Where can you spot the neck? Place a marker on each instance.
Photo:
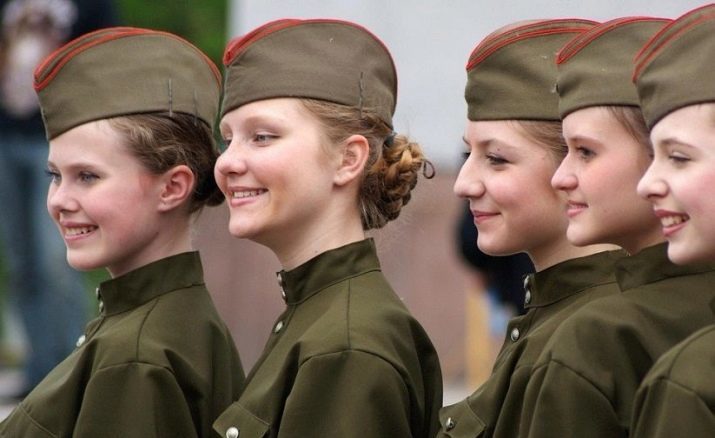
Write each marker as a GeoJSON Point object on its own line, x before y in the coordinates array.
{"type": "Point", "coordinates": [549, 255]}
{"type": "Point", "coordinates": [640, 242]}
{"type": "Point", "coordinates": [330, 232]}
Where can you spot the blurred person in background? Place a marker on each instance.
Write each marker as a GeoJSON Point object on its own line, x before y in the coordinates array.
{"type": "Point", "coordinates": [47, 294]}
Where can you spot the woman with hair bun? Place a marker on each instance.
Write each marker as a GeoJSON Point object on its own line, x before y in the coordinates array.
{"type": "Point", "coordinates": [311, 164]}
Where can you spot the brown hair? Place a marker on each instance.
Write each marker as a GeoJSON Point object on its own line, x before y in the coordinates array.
{"type": "Point", "coordinates": [546, 133]}
{"type": "Point", "coordinates": [392, 168]}
{"type": "Point", "coordinates": [161, 141]}
{"type": "Point", "coordinates": [631, 118]}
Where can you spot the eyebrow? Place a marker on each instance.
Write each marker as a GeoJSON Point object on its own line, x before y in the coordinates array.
{"type": "Point", "coordinates": [672, 141]}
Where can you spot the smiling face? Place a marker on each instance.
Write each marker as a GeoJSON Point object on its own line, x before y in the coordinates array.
{"type": "Point", "coordinates": [277, 173]}
{"type": "Point", "coordinates": [599, 175]}
{"type": "Point", "coordinates": [506, 180]}
{"type": "Point", "coordinates": [105, 203]}
{"type": "Point", "coordinates": [680, 182]}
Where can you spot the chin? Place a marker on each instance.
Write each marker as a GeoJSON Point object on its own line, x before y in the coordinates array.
{"type": "Point", "coordinates": [81, 264]}
{"type": "Point", "coordinates": [495, 248]}
{"type": "Point", "coordinates": [682, 254]}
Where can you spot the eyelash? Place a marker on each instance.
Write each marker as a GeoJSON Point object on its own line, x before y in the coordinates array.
{"type": "Point", "coordinates": [678, 159]}
{"type": "Point", "coordinates": [84, 176]}
{"type": "Point", "coordinates": [52, 175]}
{"type": "Point", "coordinates": [585, 153]}
{"type": "Point", "coordinates": [496, 160]}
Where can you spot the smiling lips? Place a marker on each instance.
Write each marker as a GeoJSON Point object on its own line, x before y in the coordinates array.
{"type": "Point", "coordinates": [240, 194]}
{"type": "Point", "coordinates": [671, 221]}
{"type": "Point", "coordinates": [481, 216]}
{"type": "Point", "coordinates": [573, 208]}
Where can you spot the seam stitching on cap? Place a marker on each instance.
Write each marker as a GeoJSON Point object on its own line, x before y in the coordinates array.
{"type": "Point", "coordinates": [123, 33]}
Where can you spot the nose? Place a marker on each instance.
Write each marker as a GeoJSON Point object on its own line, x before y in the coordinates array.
{"type": "Point", "coordinates": [651, 185]}
{"type": "Point", "coordinates": [564, 178]}
{"type": "Point", "coordinates": [230, 161]}
{"type": "Point", "coordinates": [468, 183]}
{"type": "Point", "coordinates": [60, 199]}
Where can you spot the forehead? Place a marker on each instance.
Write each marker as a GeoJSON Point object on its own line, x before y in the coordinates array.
{"type": "Point", "coordinates": [694, 124]}
{"type": "Point", "coordinates": [281, 109]}
{"type": "Point", "coordinates": [95, 141]}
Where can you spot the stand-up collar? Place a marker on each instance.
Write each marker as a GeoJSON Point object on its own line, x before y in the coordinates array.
{"type": "Point", "coordinates": [327, 269]}
{"type": "Point", "coordinates": [570, 277]}
{"type": "Point", "coordinates": [141, 285]}
{"type": "Point", "coordinates": [651, 265]}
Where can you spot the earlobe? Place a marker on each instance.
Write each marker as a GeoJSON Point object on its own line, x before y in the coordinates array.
{"type": "Point", "coordinates": [177, 186]}
{"type": "Point", "coordinates": [355, 153]}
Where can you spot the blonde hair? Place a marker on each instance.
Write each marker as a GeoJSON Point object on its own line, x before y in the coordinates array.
{"type": "Point", "coordinates": [631, 118]}
{"type": "Point", "coordinates": [161, 141]}
{"type": "Point", "coordinates": [548, 134]}
{"type": "Point", "coordinates": [393, 164]}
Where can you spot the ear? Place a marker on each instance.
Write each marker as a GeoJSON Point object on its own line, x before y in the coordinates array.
{"type": "Point", "coordinates": [177, 187]}
{"type": "Point", "coordinates": [355, 152]}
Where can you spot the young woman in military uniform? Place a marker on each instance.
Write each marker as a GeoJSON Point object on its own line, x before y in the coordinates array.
{"type": "Point", "coordinates": [515, 143]}
{"type": "Point", "coordinates": [311, 164]}
{"type": "Point", "coordinates": [585, 381]}
{"type": "Point", "coordinates": [129, 115]}
{"type": "Point", "coordinates": [677, 397]}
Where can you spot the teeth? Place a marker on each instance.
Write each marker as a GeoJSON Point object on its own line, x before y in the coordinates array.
{"type": "Point", "coordinates": [246, 193]}
{"type": "Point", "coordinates": [76, 231]}
{"type": "Point", "coordinates": [669, 221]}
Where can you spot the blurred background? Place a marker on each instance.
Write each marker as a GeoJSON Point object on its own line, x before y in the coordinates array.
{"type": "Point", "coordinates": [461, 297]}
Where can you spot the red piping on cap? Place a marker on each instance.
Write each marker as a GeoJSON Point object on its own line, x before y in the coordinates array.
{"type": "Point", "coordinates": [499, 42]}
{"type": "Point", "coordinates": [654, 48]}
{"type": "Point", "coordinates": [579, 42]}
{"type": "Point", "coordinates": [122, 32]}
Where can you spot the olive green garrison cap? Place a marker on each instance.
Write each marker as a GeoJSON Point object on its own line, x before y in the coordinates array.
{"type": "Point", "coordinates": [332, 60]}
{"type": "Point", "coordinates": [121, 71]}
{"type": "Point", "coordinates": [595, 67]}
{"type": "Point", "coordinates": [511, 74]}
{"type": "Point", "coordinates": [675, 68]}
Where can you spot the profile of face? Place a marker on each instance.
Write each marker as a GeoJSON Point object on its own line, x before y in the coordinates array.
{"type": "Point", "coordinates": [105, 203]}
{"type": "Point", "coordinates": [680, 181]}
{"type": "Point", "coordinates": [506, 179]}
{"type": "Point", "coordinates": [599, 175]}
{"type": "Point", "coordinates": [277, 172]}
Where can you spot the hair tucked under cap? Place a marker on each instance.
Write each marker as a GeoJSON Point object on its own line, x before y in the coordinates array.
{"type": "Point", "coordinates": [511, 75]}
{"type": "Point", "coordinates": [331, 60]}
{"type": "Point", "coordinates": [675, 68]}
{"type": "Point", "coordinates": [595, 67]}
{"type": "Point", "coordinates": [121, 71]}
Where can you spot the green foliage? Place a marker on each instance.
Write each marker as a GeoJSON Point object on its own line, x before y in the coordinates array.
{"type": "Point", "coordinates": [201, 22]}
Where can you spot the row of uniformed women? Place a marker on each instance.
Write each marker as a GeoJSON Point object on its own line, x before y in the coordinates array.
{"type": "Point", "coordinates": [312, 162]}
{"type": "Point", "coordinates": [577, 364]}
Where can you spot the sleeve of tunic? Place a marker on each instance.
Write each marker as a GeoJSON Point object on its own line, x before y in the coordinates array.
{"type": "Point", "coordinates": [347, 394]}
{"type": "Point", "coordinates": [134, 400]}
{"type": "Point", "coordinates": [561, 402]}
{"type": "Point", "coordinates": [667, 409]}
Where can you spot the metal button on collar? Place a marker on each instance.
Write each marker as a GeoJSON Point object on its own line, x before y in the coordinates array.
{"type": "Point", "coordinates": [527, 297]}
{"type": "Point", "coordinates": [514, 335]}
{"type": "Point", "coordinates": [449, 424]}
{"type": "Point", "coordinates": [81, 340]}
{"type": "Point", "coordinates": [278, 327]}
{"type": "Point", "coordinates": [232, 432]}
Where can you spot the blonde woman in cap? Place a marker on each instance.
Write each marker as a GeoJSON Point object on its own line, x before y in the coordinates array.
{"type": "Point", "coordinates": [514, 138]}
{"type": "Point", "coordinates": [128, 113]}
{"type": "Point", "coordinates": [311, 164]}
{"type": "Point", "coordinates": [674, 79]}
{"type": "Point", "coordinates": [585, 381]}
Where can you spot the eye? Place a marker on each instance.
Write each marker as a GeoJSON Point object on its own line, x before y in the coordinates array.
{"type": "Point", "coordinates": [87, 177]}
{"type": "Point", "coordinates": [225, 142]}
{"type": "Point", "coordinates": [465, 155]}
{"type": "Point", "coordinates": [53, 175]}
{"type": "Point", "coordinates": [496, 160]}
{"type": "Point", "coordinates": [263, 138]}
{"type": "Point", "coordinates": [678, 159]}
{"type": "Point", "coordinates": [585, 153]}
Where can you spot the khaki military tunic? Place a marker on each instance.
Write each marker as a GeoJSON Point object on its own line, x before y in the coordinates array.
{"type": "Point", "coordinates": [345, 359]}
{"type": "Point", "coordinates": [551, 296]}
{"type": "Point", "coordinates": [158, 362]}
{"type": "Point", "coordinates": [584, 383]}
{"type": "Point", "coordinates": [677, 397]}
